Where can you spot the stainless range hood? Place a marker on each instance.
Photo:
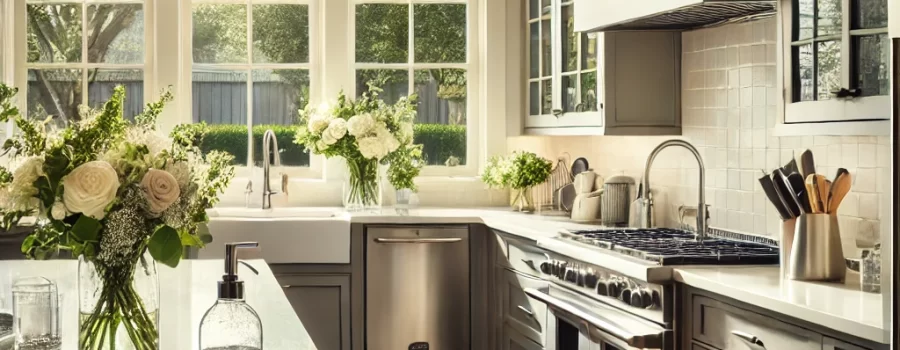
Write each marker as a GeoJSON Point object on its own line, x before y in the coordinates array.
{"type": "Point", "coordinates": [606, 15]}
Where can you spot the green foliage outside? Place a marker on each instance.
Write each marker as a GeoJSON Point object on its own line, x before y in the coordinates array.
{"type": "Point", "coordinates": [439, 142]}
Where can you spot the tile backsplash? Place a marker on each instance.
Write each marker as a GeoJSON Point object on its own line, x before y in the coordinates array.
{"type": "Point", "coordinates": [729, 113]}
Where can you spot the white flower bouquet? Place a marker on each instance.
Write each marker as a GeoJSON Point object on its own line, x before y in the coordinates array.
{"type": "Point", "coordinates": [106, 191]}
{"type": "Point", "coordinates": [364, 132]}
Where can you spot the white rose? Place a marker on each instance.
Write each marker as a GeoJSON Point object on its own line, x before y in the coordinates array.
{"type": "Point", "coordinates": [337, 128]}
{"type": "Point", "coordinates": [360, 125]}
{"type": "Point", "coordinates": [160, 190]}
{"type": "Point", "coordinates": [371, 148]}
{"type": "Point", "coordinates": [317, 123]}
{"type": "Point", "coordinates": [327, 139]}
{"type": "Point", "coordinates": [58, 211]}
{"type": "Point", "coordinates": [90, 188]}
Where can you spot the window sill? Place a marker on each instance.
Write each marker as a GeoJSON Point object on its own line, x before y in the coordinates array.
{"type": "Point", "coordinates": [866, 128]}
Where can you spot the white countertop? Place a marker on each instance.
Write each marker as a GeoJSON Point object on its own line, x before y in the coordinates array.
{"type": "Point", "coordinates": [841, 307]}
{"type": "Point", "coordinates": [185, 294]}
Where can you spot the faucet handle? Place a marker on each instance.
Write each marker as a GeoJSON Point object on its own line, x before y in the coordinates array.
{"type": "Point", "coordinates": [284, 183]}
{"type": "Point", "coordinates": [249, 188]}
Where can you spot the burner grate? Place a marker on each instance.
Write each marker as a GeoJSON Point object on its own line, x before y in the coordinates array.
{"type": "Point", "coordinates": [677, 247]}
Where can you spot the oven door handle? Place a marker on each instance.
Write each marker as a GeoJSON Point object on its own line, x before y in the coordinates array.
{"type": "Point", "coordinates": [652, 339]}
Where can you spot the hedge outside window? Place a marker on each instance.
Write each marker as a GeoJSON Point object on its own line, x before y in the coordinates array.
{"type": "Point", "coordinates": [250, 76]}
{"type": "Point", "coordinates": [426, 54]}
{"type": "Point", "coordinates": [77, 52]}
{"type": "Point", "coordinates": [817, 48]}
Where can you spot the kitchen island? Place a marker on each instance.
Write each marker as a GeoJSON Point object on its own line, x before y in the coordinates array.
{"type": "Point", "coordinates": [186, 293]}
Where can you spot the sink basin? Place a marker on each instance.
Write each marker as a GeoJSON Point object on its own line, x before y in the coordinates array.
{"type": "Point", "coordinates": [275, 213]}
{"type": "Point", "coordinates": [285, 235]}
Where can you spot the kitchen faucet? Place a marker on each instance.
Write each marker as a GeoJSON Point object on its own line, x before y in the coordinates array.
{"type": "Point", "coordinates": [701, 207]}
{"type": "Point", "coordinates": [270, 144]}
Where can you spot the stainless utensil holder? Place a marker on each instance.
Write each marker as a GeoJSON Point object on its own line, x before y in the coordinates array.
{"type": "Point", "coordinates": [816, 252]}
{"type": "Point", "coordinates": [786, 243]}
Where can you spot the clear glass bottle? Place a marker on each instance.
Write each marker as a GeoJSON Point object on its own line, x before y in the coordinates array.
{"type": "Point", "coordinates": [231, 324]}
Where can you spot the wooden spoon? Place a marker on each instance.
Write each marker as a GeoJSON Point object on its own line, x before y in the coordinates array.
{"type": "Point", "coordinates": [818, 187]}
{"type": "Point", "coordinates": [839, 189]}
{"type": "Point", "coordinates": [807, 164]}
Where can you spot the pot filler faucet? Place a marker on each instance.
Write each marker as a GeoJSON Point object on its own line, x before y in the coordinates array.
{"type": "Point", "coordinates": [270, 144]}
{"type": "Point", "coordinates": [701, 206]}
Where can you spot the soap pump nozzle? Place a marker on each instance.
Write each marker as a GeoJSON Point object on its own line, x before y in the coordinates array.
{"type": "Point", "coordinates": [230, 287]}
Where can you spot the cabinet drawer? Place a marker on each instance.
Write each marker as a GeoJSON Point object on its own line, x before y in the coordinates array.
{"type": "Point", "coordinates": [726, 327]}
{"type": "Point", "coordinates": [525, 258]}
{"type": "Point", "coordinates": [521, 312]}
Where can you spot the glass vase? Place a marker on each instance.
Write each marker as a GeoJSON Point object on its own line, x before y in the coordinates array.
{"type": "Point", "coordinates": [118, 304]}
{"type": "Point", "coordinates": [362, 186]}
{"type": "Point", "coordinates": [521, 200]}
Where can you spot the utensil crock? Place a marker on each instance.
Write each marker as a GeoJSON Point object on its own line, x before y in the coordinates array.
{"type": "Point", "coordinates": [786, 244]}
{"type": "Point", "coordinates": [816, 252]}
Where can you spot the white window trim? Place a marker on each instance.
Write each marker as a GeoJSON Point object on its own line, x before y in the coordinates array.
{"type": "Point", "coordinates": [824, 117]}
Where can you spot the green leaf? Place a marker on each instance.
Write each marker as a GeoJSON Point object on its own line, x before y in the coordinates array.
{"type": "Point", "coordinates": [90, 250]}
{"type": "Point", "coordinates": [203, 234]}
{"type": "Point", "coordinates": [189, 240]}
{"type": "Point", "coordinates": [27, 244]}
{"type": "Point", "coordinates": [165, 246]}
{"type": "Point", "coordinates": [86, 228]}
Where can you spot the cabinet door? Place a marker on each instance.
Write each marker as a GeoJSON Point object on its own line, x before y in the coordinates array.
{"type": "Point", "coordinates": [728, 327]}
{"type": "Point", "coordinates": [513, 340]}
{"type": "Point", "coordinates": [323, 304]}
{"type": "Point", "coordinates": [834, 344]}
{"type": "Point", "coordinates": [521, 312]}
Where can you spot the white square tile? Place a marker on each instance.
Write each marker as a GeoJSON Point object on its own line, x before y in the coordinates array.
{"type": "Point", "coordinates": [734, 200]}
{"type": "Point", "coordinates": [734, 162]}
{"type": "Point", "coordinates": [849, 139]}
{"type": "Point", "coordinates": [773, 159]}
{"type": "Point", "coordinates": [746, 33]}
{"type": "Point", "coordinates": [746, 138]}
{"type": "Point", "coordinates": [759, 138]}
{"type": "Point", "coordinates": [771, 96]}
{"type": "Point", "coordinates": [864, 180]}
{"type": "Point", "coordinates": [883, 157]}
{"type": "Point", "coordinates": [733, 98]}
{"type": "Point", "coordinates": [746, 77]}
{"type": "Point", "coordinates": [759, 159]}
{"type": "Point", "coordinates": [721, 98]}
{"type": "Point", "coordinates": [834, 155]}
{"type": "Point", "coordinates": [760, 30]}
{"type": "Point", "coordinates": [745, 55]}
{"type": "Point", "coordinates": [759, 117]}
{"type": "Point", "coordinates": [867, 155]}
{"type": "Point", "coordinates": [747, 180]}
{"type": "Point", "coordinates": [731, 54]}
{"type": "Point", "coordinates": [759, 224]}
{"type": "Point", "coordinates": [759, 53]}
{"type": "Point", "coordinates": [849, 156]}
{"type": "Point", "coordinates": [746, 117]}
{"type": "Point", "coordinates": [733, 220]}
{"type": "Point", "coordinates": [759, 203]}
{"type": "Point", "coordinates": [791, 142]}
{"type": "Point", "coordinates": [722, 198]}
{"type": "Point", "coordinates": [747, 202]}
{"type": "Point", "coordinates": [881, 176]}
{"type": "Point", "coordinates": [786, 156]}
{"type": "Point", "coordinates": [734, 78]}
{"type": "Point", "coordinates": [868, 205]}
{"type": "Point", "coordinates": [771, 53]}
{"type": "Point", "coordinates": [734, 117]}
{"type": "Point", "coordinates": [733, 138]}
{"type": "Point", "coordinates": [759, 75]}
{"type": "Point", "coordinates": [771, 77]}
{"type": "Point", "coordinates": [746, 222]}
{"type": "Point", "coordinates": [722, 157]}
{"type": "Point", "coordinates": [759, 96]}
{"type": "Point", "coordinates": [721, 176]}
{"type": "Point", "coordinates": [849, 205]}
{"type": "Point", "coordinates": [746, 156]}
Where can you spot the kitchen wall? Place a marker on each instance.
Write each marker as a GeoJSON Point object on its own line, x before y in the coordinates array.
{"type": "Point", "coordinates": [729, 113]}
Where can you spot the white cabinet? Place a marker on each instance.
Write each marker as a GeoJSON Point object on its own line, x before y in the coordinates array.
{"type": "Point", "coordinates": [619, 83]}
{"type": "Point", "coordinates": [512, 340]}
{"type": "Point", "coordinates": [322, 302]}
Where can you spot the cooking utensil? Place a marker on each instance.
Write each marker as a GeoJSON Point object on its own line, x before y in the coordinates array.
{"type": "Point", "coordinates": [790, 167]}
{"type": "Point", "coordinates": [788, 197]}
{"type": "Point", "coordinates": [807, 164]}
{"type": "Point", "coordinates": [584, 182]}
{"type": "Point", "coordinates": [839, 189]}
{"type": "Point", "coordinates": [578, 166]}
{"type": "Point", "coordinates": [634, 212]}
{"type": "Point", "coordinates": [769, 188]}
{"type": "Point", "coordinates": [567, 197]}
{"type": "Point", "coordinates": [818, 189]}
{"type": "Point", "coordinates": [797, 185]}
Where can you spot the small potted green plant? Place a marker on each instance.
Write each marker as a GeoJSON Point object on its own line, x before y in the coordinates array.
{"type": "Point", "coordinates": [518, 172]}
{"type": "Point", "coordinates": [405, 165]}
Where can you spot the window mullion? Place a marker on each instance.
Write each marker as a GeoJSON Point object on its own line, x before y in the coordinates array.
{"type": "Point", "coordinates": [846, 50]}
{"type": "Point", "coordinates": [249, 85]}
{"type": "Point", "coordinates": [84, 55]}
{"type": "Point", "coordinates": [411, 52]}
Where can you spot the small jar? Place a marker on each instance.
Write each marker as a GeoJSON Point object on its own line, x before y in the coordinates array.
{"type": "Point", "coordinates": [36, 314]}
{"type": "Point", "coordinates": [870, 270]}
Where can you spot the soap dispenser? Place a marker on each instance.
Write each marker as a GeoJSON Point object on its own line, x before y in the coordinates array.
{"type": "Point", "coordinates": [231, 324]}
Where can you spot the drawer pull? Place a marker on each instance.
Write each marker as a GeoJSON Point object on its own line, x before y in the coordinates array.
{"type": "Point", "coordinates": [286, 286]}
{"type": "Point", "coordinates": [751, 340]}
{"type": "Point", "coordinates": [526, 311]}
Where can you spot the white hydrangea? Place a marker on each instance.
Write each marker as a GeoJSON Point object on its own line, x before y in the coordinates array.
{"type": "Point", "coordinates": [181, 171]}
{"type": "Point", "coordinates": [406, 132]}
{"type": "Point", "coordinates": [360, 125]}
{"type": "Point", "coordinates": [372, 147]}
{"type": "Point", "coordinates": [337, 128]}
{"type": "Point", "coordinates": [154, 141]}
{"type": "Point", "coordinates": [387, 139]}
{"type": "Point", "coordinates": [317, 123]}
{"type": "Point", "coordinates": [29, 170]}
{"type": "Point", "coordinates": [321, 146]}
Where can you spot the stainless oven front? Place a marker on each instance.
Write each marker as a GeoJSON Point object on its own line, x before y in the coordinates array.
{"type": "Point", "coordinates": [576, 322]}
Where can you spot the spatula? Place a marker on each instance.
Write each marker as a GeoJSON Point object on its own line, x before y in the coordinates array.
{"type": "Point", "coordinates": [839, 189]}
{"type": "Point", "coordinates": [817, 187]}
{"type": "Point", "coordinates": [769, 188]}
{"type": "Point", "coordinates": [807, 164]}
{"type": "Point", "coordinates": [788, 197]}
{"type": "Point", "coordinates": [796, 184]}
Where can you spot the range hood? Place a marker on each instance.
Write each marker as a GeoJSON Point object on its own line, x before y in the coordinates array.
{"type": "Point", "coordinates": [612, 15]}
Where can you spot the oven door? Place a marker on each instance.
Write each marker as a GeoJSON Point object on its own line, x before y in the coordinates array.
{"type": "Point", "coordinates": [579, 323]}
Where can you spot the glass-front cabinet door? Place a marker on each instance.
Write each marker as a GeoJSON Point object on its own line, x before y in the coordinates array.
{"type": "Point", "coordinates": [563, 69]}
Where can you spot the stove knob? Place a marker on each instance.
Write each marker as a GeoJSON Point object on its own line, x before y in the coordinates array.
{"type": "Point", "coordinates": [637, 298]}
{"type": "Point", "coordinates": [625, 296]}
{"type": "Point", "coordinates": [647, 299]}
{"type": "Point", "coordinates": [590, 279]}
{"type": "Point", "coordinates": [571, 275]}
{"type": "Point", "coordinates": [602, 288]}
{"type": "Point", "coordinates": [546, 267]}
{"type": "Point", "coordinates": [612, 288]}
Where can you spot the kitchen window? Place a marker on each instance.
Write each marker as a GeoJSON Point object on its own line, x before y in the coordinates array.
{"type": "Point", "coordinates": [78, 51]}
{"type": "Point", "coordinates": [838, 54]}
{"type": "Point", "coordinates": [250, 73]}
{"type": "Point", "coordinates": [562, 67]}
{"type": "Point", "coordinates": [404, 47]}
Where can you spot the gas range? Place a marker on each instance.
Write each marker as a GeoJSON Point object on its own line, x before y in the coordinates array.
{"type": "Point", "coordinates": [665, 247]}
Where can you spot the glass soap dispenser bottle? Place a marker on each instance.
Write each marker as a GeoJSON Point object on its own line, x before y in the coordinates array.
{"type": "Point", "coordinates": [231, 324]}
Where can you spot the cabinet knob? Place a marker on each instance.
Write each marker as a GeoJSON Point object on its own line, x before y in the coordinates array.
{"type": "Point", "coordinates": [750, 339]}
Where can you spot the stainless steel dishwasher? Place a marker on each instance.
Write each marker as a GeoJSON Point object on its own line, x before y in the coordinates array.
{"type": "Point", "coordinates": [417, 288]}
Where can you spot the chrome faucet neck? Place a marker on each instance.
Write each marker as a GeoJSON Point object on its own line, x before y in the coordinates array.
{"type": "Point", "coordinates": [701, 205]}
{"type": "Point", "coordinates": [270, 144]}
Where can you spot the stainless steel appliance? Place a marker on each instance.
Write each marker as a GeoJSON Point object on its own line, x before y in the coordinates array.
{"type": "Point", "coordinates": [417, 288]}
{"type": "Point", "coordinates": [616, 200]}
{"type": "Point", "coordinates": [631, 307]}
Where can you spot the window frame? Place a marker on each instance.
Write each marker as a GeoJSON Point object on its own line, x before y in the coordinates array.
{"type": "Point", "coordinates": [576, 119]}
{"type": "Point", "coordinates": [316, 168]}
{"type": "Point", "coordinates": [856, 116]}
{"type": "Point", "coordinates": [471, 66]}
{"type": "Point", "coordinates": [20, 49]}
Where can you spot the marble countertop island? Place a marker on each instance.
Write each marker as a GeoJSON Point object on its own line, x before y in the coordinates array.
{"type": "Point", "coordinates": [186, 293]}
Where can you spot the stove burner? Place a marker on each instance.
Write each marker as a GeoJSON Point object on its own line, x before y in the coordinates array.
{"type": "Point", "coordinates": [676, 247]}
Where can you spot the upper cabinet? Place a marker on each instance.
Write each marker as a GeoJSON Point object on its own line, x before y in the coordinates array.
{"type": "Point", "coordinates": [835, 60]}
{"type": "Point", "coordinates": [606, 15]}
{"type": "Point", "coordinates": [622, 83]}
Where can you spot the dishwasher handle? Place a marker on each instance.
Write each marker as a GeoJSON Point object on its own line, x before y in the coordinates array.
{"type": "Point", "coordinates": [596, 323]}
{"type": "Point", "coordinates": [416, 240]}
